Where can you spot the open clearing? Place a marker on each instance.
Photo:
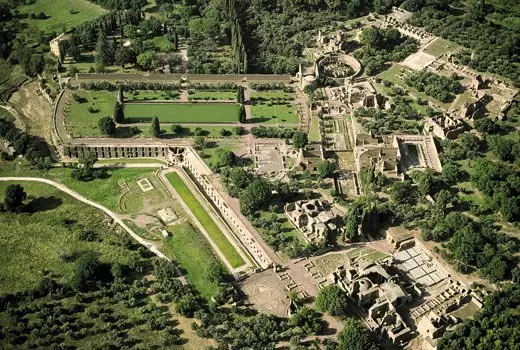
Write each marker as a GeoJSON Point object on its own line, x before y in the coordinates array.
{"type": "Point", "coordinates": [182, 112]}
{"type": "Point", "coordinates": [61, 15]}
{"type": "Point", "coordinates": [194, 253]}
{"type": "Point", "coordinates": [32, 242]}
{"type": "Point", "coordinates": [440, 47]}
{"type": "Point", "coordinates": [80, 121]}
{"type": "Point", "coordinates": [201, 214]}
{"type": "Point", "coordinates": [274, 114]}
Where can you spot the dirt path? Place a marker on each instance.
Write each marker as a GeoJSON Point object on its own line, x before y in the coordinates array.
{"type": "Point", "coordinates": [151, 247]}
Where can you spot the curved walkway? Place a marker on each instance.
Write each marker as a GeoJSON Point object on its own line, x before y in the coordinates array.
{"type": "Point", "coordinates": [151, 247]}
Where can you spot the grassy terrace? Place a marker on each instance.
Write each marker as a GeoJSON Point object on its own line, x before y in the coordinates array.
{"type": "Point", "coordinates": [182, 112]}
{"type": "Point", "coordinates": [314, 132]}
{"type": "Point", "coordinates": [80, 121]}
{"type": "Point", "coordinates": [274, 114]}
{"type": "Point", "coordinates": [190, 248]}
{"type": "Point", "coordinates": [61, 15]}
{"type": "Point", "coordinates": [441, 46]}
{"type": "Point", "coordinates": [201, 214]}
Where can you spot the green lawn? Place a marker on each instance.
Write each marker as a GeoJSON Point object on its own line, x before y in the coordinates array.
{"type": "Point", "coordinates": [80, 121]}
{"type": "Point", "coordinates": [61, 15]}
{"type": "Point", "coordinates": [190, 248]}
{"type": "Point", "coordinates": [274, 114]}
{"type": "Point", "coordinates": [314, 132]}
{"type": "Point", "coordinates": [441, 46]}
{"type": "Point", "coordinates": [30, 243]}
{"type": "Point", "coordinates": [201, 214]}
{"type": "Point", "coordinates": [182, 112]}
{"type": "Point", "coordinates": [209, 154]}
{"type": "Point", "coordinates": [103, 191]}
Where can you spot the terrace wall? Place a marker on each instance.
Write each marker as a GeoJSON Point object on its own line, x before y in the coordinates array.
{"type": "Point", "coordinates": [190, 77]}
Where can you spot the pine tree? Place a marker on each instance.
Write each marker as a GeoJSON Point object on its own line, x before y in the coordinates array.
{"type": "Point", "coordinates": [155, 128]}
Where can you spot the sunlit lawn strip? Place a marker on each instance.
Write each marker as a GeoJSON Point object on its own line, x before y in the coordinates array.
{"type": "Point", "coordinates": [206, 221]}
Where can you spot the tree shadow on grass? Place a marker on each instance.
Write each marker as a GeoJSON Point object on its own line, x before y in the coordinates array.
{"type": "Point", "coordinates": [125, 132]}
{"type": "Point", "coordinates": [258, 120]}
{"type": "Point", "coordinates": [40, 204]}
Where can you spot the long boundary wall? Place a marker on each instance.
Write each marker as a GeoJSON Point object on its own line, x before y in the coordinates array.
{"type": "Point", "coordinates": [200, 173]}
{"type": "Point", "coordinates": [180, 77]}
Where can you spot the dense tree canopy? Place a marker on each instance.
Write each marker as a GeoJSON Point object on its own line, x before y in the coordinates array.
{"type": "Point", "coordinates": [496, 326]}
{"type": "Point", "coordinates": [14, 195]}
{"type": "Point", "coordinates": [355, 336]}
{"type": "Point", "coordinates": [332, 300]}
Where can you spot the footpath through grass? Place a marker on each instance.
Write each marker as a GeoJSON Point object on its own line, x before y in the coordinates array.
{"type": "Point", "coordinates": [32, 242]}
{"type": "Point", "coordinates": [182, 112]}
{"type": "Point", "coordinates": [194, 254]}
{"type": "Point", "coordinates": [202, 215]}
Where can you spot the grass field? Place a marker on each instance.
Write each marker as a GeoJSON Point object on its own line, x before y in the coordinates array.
{"type": "Point", "coordinates": [441, 46]}
{"type": "Point", "coordinates": [210, 154]}
{"type": "Point", "coordinates": [103, 191]}
{"type": "Point", "coordinates": [274, 114]}
{"type": "Point", "coordinates": [194, 253]}
{"type": "Point", "coordinates": [201, 214]}
{"type": "Point", "coordinates": [80, 121]}
{"type": "Point", "coordinates": [182, 112]}
{"type": "Point", "coordinates": [32, 242]}
{"type": "Point", "coordinates": [61, 15]}
{"type": "Point", "coordinates": [314, 132]}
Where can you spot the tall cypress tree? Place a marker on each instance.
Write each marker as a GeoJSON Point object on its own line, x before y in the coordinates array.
{"type": "Point", "coordinates": [240, 94]}
{"type": "Point", "coordinates": [155, 128]}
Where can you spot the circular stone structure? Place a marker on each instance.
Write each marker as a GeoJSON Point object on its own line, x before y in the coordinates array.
{"type": "Point", "coordinates": [338, 66]}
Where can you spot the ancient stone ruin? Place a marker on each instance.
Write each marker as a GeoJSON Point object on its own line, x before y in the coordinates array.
{"type": "Point", "coordinates": [315, 219]}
